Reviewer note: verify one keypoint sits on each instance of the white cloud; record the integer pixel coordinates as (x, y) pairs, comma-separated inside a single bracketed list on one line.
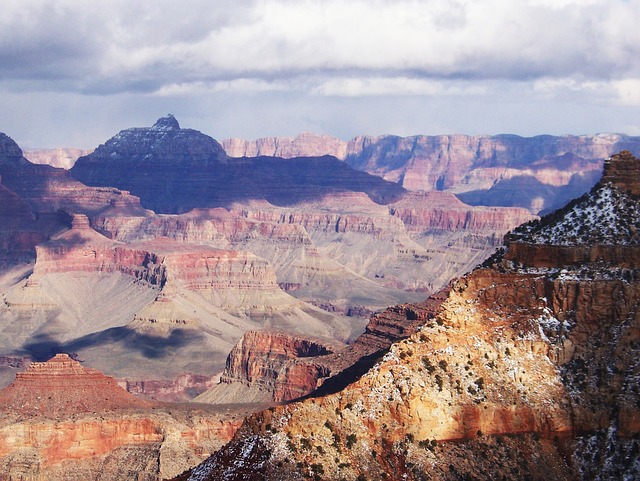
[(394, 86), (158, 43), (235, 85)]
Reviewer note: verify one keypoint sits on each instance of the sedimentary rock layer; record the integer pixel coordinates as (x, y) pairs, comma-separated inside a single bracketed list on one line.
[(63, 421), (539, 173)]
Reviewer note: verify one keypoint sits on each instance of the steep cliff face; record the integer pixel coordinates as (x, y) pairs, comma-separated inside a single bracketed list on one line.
[(416, 243), (19, 229), (271, 367), (306, 144), (62, 421), (532, 370), (62, 157)]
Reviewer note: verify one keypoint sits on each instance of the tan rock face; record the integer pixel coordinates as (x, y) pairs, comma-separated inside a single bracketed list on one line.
[(63, 157), (517, 362), (481, 368), (304, 145)]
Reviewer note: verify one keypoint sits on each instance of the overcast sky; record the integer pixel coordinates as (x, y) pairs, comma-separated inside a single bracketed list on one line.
[(75, 72)]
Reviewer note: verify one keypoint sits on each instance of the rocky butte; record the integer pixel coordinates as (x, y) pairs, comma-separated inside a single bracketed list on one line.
[(528, 369), (63, 421), (174, 170)]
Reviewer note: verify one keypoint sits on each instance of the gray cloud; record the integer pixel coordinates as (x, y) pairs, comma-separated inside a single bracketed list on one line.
[(142, 45), (178, 53)]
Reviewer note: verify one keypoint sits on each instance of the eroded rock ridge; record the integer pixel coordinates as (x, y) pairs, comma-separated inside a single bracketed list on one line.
[(526, 369)]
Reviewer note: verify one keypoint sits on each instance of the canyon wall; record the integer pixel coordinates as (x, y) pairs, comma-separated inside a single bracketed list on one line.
[(62, 157), (271, 367), (539, 173)]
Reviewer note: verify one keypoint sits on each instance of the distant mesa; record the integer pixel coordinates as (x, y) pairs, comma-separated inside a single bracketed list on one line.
[(174, 170)]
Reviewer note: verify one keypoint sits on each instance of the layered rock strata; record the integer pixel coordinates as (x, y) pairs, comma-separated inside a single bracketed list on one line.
[(62, 157), (171, 308), (271, 367), (539, 173), (275, 367), (62, 386), (306, 144), (523, 371), (63, 421)]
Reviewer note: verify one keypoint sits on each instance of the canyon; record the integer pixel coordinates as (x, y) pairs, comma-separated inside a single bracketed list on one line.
[(527, 369), (540, 173), (132, 291), (241, 276)]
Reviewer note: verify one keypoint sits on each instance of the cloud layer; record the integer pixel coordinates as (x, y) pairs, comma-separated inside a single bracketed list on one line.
[(536, 50)]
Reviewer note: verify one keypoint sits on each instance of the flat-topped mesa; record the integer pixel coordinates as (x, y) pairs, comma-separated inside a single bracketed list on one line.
[(623, 171), (62, 386)]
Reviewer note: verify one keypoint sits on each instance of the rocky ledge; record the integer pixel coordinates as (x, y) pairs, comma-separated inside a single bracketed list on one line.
[(271, 367)]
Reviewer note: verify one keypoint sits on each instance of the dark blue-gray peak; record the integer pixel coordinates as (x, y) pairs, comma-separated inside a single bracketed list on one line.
[(175, 170), (167, 123)]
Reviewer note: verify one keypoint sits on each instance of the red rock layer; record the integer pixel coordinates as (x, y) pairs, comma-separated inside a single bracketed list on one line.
[(64, 422), (534, 255), (286, 367), (443, 211), (62, 386), (82, 249), (181, 389), (281, 364)]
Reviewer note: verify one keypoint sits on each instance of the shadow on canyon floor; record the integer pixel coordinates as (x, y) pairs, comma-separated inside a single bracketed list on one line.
[(44, 347)]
